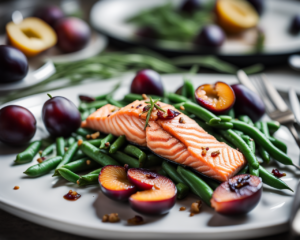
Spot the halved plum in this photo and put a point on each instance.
(238, 195)
(114, 183)
(159, 194)
(219, 98)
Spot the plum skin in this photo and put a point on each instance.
(13, 64)
(295, 24)
(60, 116)
(118, 195)
(238, 206)
(17, 125)
(211, 36)
(190, 6)
(72, 34)
(153, 207)
(258, 5)
(147, 81)
(139, 184)
(49, 14)
(248, 102)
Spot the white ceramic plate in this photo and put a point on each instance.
(41, 66)
(41, 200)
(109, 17)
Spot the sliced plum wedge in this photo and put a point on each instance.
(158, 195)
(238, 195)
(114, 183)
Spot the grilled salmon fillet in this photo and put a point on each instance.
(179, 141)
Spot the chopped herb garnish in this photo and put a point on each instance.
(149, 109)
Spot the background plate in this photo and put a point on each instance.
(109, 17)
(41, 200)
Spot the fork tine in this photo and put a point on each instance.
(274, 95)
(260, 89)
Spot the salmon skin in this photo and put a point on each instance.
(182, 141)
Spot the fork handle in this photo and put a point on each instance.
(293, 131)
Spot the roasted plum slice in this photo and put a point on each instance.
(114, 183)
(159, 194)
(219, 98)
(239, 195)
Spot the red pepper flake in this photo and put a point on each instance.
(138, 106)
(107, 144)
(203, 153)
(215, 153)
(170, 114)
(207, 148)
(108, 115)
(277, 173)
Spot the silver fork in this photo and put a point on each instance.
(276, 108)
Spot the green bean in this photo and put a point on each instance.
(241, 134)
(60, 146)
(152, 161)
(131, 97)
(83, 132)
(260, 139)
(231, 113)
(109, 138)
(263, 154)
(48, 150)
(97, 171)
(67, 157)
(100, 97)
(95, 142)
(221, 125)
(97, 155)
(112, 101)
(178, 105)
(273, 126)
(96, 104)
(70, 141)
(78, 155)
(68, 175)
(173, 97)
(187, 89)
(125, 159)
(253, 172)
(201, 113)
(29, 153)
(118, 144)
(196, 184)
(277, 143)
(81, 165)
(213, 184)
(243, 170)
(162, 172)
(43, 167)
(137, 153)
(84, 115)
(265, 129)
(246, 119)
(172, 173)
(88, 179)
(258, 125)
(269, 179)
(182, 190)
(238, 142)
(225, 118)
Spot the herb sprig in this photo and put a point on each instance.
(149, 108)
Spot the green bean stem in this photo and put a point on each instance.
(29, 153)
(196, 184)
(43, 167)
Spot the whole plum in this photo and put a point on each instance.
(259, 5)
(248, 102)
(49, 14)
(72, 34)
(13, 64)
(210, 36)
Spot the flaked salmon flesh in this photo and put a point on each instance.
(176, 140)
